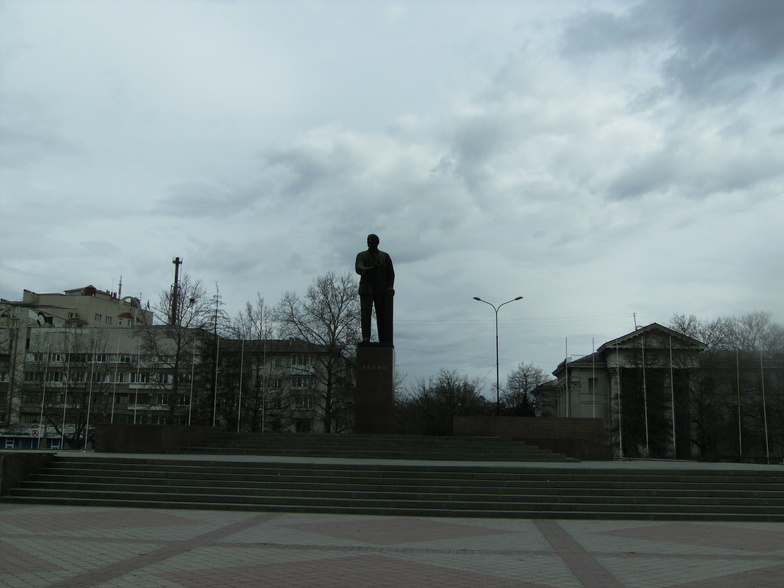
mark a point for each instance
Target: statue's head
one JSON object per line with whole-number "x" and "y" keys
{"x": 373, "y": 241}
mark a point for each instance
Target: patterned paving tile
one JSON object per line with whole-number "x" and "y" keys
{"x": 367, "y": 570}
{"x": 703, "y": 535}
{"x": 18, "y": 561}
{"x": 396, "y": 531}
{"x": 89, "y": 520}
{"x": 769, "y": 577}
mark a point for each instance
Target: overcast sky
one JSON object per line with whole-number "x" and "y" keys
{"x": 602, "y": 159}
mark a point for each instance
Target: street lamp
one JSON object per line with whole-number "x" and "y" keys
{"x": 497, "y": 373}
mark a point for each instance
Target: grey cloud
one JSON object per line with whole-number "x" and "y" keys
{"x": 654, "y": 174}
{"x": 301, "y": 171}
{"x": 105, "y": 247}
{"x": 723, "y": 44}
{"x": 474, "y": 142}
{"x": 19, "y": 148}
{"x": 595, "y": 32}
{"x": 353, "y": 184}
{"x": 686, "y": 173}
{"x": 712, "y": 48}
{"x": 202, "y": 199}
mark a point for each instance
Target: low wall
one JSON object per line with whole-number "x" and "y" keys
{"x": 16, "y": 467}
{"x": 148, "y": 438}
{"x": 580, "y": 438}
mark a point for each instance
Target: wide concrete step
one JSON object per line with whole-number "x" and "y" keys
{"x": 444, "y": 511}
{"x": 403, "y": 447}
{"x": 99, "y": 469}
{"x": 392, "y": 493}
{"x": 452, "y": 508}
{"x": 74, "y": 465}
{"x": 421, "y": 501}
{"x": 405, "y": 488}
{"x": 440, "y": 491}
{"x": 377, "y": 454}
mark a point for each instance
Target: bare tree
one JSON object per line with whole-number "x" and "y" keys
{"x": 518, "y": 399}
{"x": 13, "y": 371}
{"x": 171, "y": 348}
{"x": 252, "y": 329}
{"x": 430, "y": 406}
{"x": 326, "y": 320}
{"x": 735, "y": 403}
{"x": 71, "y": 381}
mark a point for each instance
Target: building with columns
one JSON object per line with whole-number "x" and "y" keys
{"x": 639, "y": 384}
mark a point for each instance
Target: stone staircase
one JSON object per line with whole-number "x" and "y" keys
{"x": 406, "y": 488}
{"x": 397, "y": 447}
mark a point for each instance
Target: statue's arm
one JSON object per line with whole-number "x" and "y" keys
{"x": 360, "y": 266}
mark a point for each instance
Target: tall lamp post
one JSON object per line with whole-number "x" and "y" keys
{"x": 497, "y": 373}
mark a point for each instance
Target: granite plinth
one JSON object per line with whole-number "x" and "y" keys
{"x": 374, "y": 399}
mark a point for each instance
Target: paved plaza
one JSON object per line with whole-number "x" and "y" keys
{"x": 83, "y": 546}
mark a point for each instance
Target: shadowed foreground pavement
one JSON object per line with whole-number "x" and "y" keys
{"x": 83, "y": 546}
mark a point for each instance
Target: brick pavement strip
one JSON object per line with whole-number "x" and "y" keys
{"x": 123, "y": 567}
{"x": 582, "y": 564}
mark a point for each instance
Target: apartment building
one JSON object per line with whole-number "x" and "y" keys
{"x": 80, "y": 307}
{"x": 57, "y": 383}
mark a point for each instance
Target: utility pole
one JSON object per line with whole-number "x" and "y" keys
{"x": 175, "y": 291}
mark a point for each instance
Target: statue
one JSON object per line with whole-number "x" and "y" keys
{"x": 376, "y": 289}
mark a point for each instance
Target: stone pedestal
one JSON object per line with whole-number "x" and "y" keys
{"x": 374, "y": 399}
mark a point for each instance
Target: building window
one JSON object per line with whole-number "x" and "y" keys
{"x": 33, "y": 376}
{"x": 98, "y": 317}
{"x": 119, "y": 323}
{"x": 593, "y": 384}
{"x": 108, "y": 320}
{"x": 302, "y": 403}
{"x": 301, "y": 382}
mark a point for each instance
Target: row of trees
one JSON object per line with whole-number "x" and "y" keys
{"x": 327, "y": 320}
{"x": 724, "y": 402}
{"x": 66, "y": 376}
{"x": 324, "y": 322}
{"x": 737, "y": 385}
{"x": 430, "y": 405}
{"x": 197, "y": 365}
{"x": 206, "y": 367}
{"x": 735, "y": 405}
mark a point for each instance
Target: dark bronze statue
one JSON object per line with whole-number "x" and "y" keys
{"x": 376, "y": 289}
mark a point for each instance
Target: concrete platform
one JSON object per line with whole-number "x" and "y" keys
{"x": 121, "y": 547}
{"x": 72, "y": 546}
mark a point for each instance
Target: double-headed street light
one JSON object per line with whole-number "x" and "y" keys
{"x": 497, "y": 373}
